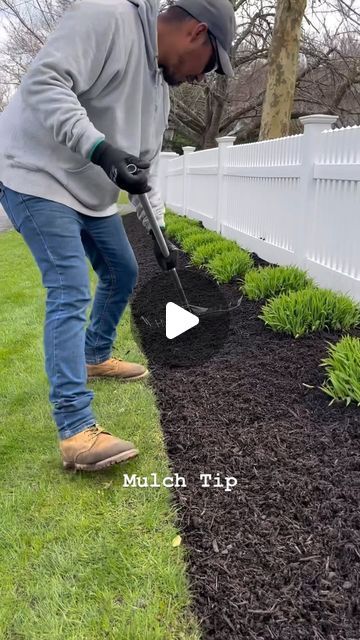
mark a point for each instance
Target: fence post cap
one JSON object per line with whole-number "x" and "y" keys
{"x": 226, "y": 141}
{"x": 187, "y": 150}
{"x": 318, "y": 118}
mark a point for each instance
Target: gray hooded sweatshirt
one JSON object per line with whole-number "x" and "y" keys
{"x": 96, "y": 77}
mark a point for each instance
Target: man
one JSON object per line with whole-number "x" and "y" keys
{"x": 94, "y": 101}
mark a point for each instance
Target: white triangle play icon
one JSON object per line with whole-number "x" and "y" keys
{"x": 178, "y": 320}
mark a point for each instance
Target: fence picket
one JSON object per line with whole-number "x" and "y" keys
{"x": 294, "y": 200}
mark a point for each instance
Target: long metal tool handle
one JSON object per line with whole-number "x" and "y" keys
{"x": 146, "y": 205}
{"x": 155, "y": 227}
{"x": 181, "y": 291}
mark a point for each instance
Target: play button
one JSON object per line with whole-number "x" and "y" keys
{"x": 178, "y": 320}
{"x": 155, "y": 324}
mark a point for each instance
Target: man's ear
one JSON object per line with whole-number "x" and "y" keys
{"x": 200, "y": 31}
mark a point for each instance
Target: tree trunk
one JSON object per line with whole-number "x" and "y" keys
{"x": 283, "y": 64}
{"x": 215, "y": 104}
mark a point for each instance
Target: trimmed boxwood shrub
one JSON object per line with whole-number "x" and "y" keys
{"x": 343, "y": 370}
{"x": 302, "y": 312}
{"x": 268, "y": 282}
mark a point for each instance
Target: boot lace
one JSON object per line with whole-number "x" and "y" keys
{"x": 96, "y": 430}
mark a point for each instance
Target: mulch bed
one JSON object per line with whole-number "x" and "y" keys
{"x": 279, "y": 556}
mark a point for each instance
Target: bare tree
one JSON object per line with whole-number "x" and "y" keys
{"x": 332, "y": 83}
{"x": 4, "y": 95}
{"x": 27, "y": 25}
{"x": 283, "y": 66}
{"x": 327, "y": 76}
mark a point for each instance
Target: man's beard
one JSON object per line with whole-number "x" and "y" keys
{"x": 170, "y": 78}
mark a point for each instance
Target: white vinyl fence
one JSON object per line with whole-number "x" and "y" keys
{"x": 294, "y": 200}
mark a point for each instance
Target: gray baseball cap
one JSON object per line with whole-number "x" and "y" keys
{"x": 220, "y": 18}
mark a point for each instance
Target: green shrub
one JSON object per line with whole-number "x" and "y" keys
{"x": 178, "y": 227}
{"x": 206, "y": 252}
{"x": 233, "y": 263}
{"x": 196, "y": 239}
{"x": 179, "y": 233}
{"x": 301, "y": 312}
{"x": 174, "y": 220}
{"x": 268, "y": 282}
{"x": 343, "y": 370}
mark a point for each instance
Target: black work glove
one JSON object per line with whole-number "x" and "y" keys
{"x": 115, "y": 164}
{"x": 164, "y": 263}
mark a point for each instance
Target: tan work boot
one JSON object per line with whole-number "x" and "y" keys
{"x": 95, "y": 449}
{"x": 116, "y": 368}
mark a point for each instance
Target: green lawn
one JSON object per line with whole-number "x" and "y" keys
{"x": 81, "y": 557}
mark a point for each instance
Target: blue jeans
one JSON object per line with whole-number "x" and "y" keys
{"x": 60, "y": 239}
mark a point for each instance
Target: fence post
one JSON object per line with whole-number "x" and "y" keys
{"x": 187, "y": 151}
{"x": 223, "y": 143}
{"x": 165, "y": 157}
{"x": 313, "y": 128}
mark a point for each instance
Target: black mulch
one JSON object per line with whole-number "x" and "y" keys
{"x": 279, "y": 556}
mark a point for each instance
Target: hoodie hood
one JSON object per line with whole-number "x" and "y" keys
{"x": 148, "y": 11}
